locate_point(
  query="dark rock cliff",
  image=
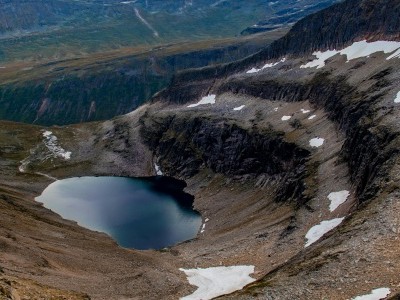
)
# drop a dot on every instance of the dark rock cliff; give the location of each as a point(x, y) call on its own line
point(366, 148)
point(185, 145)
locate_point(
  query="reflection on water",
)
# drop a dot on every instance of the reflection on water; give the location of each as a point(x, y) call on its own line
point(140, 213)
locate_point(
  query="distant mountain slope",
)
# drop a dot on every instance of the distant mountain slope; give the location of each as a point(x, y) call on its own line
point(288, 16)
point(59, 28)
point(333, 27)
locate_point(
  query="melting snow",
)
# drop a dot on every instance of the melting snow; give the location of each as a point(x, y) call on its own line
point(24, 165)
point(285, 118)
point(321, 58)
point(239, 108)
point(337, 198)
point(210, 99)
point(376, 294)
point(276, 108)
point(217, 281)
point(304, 111)
point(356, 50)
point(317, 231)
point(270, 65)
point(317, 142)
point(312, 117)
point(158, 170)
point(204, 225)
point(397, 99)
point(50, 142)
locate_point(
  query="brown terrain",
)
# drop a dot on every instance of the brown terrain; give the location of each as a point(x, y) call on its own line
point(254, 175)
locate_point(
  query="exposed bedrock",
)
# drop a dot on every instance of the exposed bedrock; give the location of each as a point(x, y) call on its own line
point(367, 149)
point(185, 145)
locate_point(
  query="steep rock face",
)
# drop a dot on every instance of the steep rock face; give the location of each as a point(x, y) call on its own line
point(184, 146)
point(366, 149)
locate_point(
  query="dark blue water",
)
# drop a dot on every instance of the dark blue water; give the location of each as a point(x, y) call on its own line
point(150, 213)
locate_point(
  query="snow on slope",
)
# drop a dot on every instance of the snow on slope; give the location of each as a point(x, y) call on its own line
point(317, 142)
point(337, 198)
point(210, 99)
point(270, 65)
point(376, 294)
point(317, 231)
point(239, 107)
point(397, 99)
point(158, 170)
point(217, 281)
point(356, 50)
point(50, 142)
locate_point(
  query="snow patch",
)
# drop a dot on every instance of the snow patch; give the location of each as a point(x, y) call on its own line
point(376, 294)
point(204, 225)
point(337, 198)
point(319, 62)
point(317, 231)
point(276, 108)
point(24, 165)
point(286, 118)
point(239, 108)
point(270, 65)
point(51, 143)
point(203, 228)
point(305, 111)
point(356, 50)
point(210, 99)
point(217, 281)
point(317, 142)
point(158, 170)
point(397, 99)
point(312, 117)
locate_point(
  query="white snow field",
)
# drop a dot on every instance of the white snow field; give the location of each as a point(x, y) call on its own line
point(317, 231)
point(376, 294)
point(356, 50)
point(286, 118)
point(312, 117)
point(217, 281)
point(317, 142)
point(210, 99)
point(337, 198)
